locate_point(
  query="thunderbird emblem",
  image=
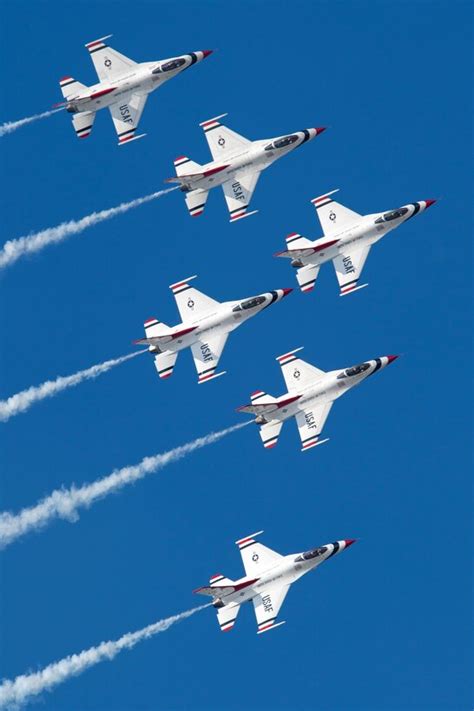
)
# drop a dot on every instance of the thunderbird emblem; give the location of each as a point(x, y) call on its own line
point(108, 62)
point(255, 557)
point(190, 304)
point(221, 141)
point(296, 374)
point(332, 216)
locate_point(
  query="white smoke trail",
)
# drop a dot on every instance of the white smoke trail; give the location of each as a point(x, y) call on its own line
point(66, 503)
point(10, 126)
point(19, 691)
point(16, 248)
point(23, 400)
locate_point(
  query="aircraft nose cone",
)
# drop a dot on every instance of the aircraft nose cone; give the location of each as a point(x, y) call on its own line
point(319, 130)
point(429, 202)
point(350, 541)
point(206, 52)
point(286, 292)
point(391, 358)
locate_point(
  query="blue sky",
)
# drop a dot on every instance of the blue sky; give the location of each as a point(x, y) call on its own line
point(384, 626)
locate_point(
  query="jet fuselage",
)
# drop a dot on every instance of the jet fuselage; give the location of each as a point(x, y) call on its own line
point(226, 317)
point(364, 232)
point(289, 569)
point(144, 77)
point(328, 388)
point(258, 156)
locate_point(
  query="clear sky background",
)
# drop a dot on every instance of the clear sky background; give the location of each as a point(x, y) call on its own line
point(384, 626)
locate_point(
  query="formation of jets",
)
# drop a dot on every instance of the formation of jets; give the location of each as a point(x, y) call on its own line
point(236, 165)
point(268, 577)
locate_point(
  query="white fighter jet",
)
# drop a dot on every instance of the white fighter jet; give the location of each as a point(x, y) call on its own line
point(311, 394)
point(205, 328)
point(236, 165)
point(268, 576)
point(123, 87)
point(347, 240)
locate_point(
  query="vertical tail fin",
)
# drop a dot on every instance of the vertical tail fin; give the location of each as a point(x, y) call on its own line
point(70, 87)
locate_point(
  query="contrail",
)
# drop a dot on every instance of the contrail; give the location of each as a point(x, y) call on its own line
point(66, 503)
point(23, 400)
point(19, 691)
point(16, 248)
point(10, 126)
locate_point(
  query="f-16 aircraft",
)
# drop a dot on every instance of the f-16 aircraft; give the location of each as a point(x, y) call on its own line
point(311, 394)
point(236, 165)
point(268, 576)
point(205, 328)
point(123, 87)
point(347, 240)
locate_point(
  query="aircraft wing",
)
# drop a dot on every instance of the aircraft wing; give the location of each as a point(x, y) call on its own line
point(348, 268)
point(222, 140)
point(267, 606)
point(296, 372)
point(310, 424)
point(108, 63)
point(191, 303)
point(256, 557)
point(332, 215)
point(238, 192)
point(126, 115)
point(206, 355)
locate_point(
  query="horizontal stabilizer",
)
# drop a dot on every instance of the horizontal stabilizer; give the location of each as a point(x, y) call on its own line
point(269, 433)
point(83, 122)
point(164, 363)
point(70, 87)
point(306, 277)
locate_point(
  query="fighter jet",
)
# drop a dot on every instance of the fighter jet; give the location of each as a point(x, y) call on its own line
point(347, 240)
point(236, 165)
point(205, 328)
point(268, 576)
point(311, 394)
point(123, 87)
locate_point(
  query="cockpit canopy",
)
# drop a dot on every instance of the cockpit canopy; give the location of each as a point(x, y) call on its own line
point(315, 553)
point(392, 215)
point(173, 64)
point(250, 303)
point(282, 142)
point(355, 370)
